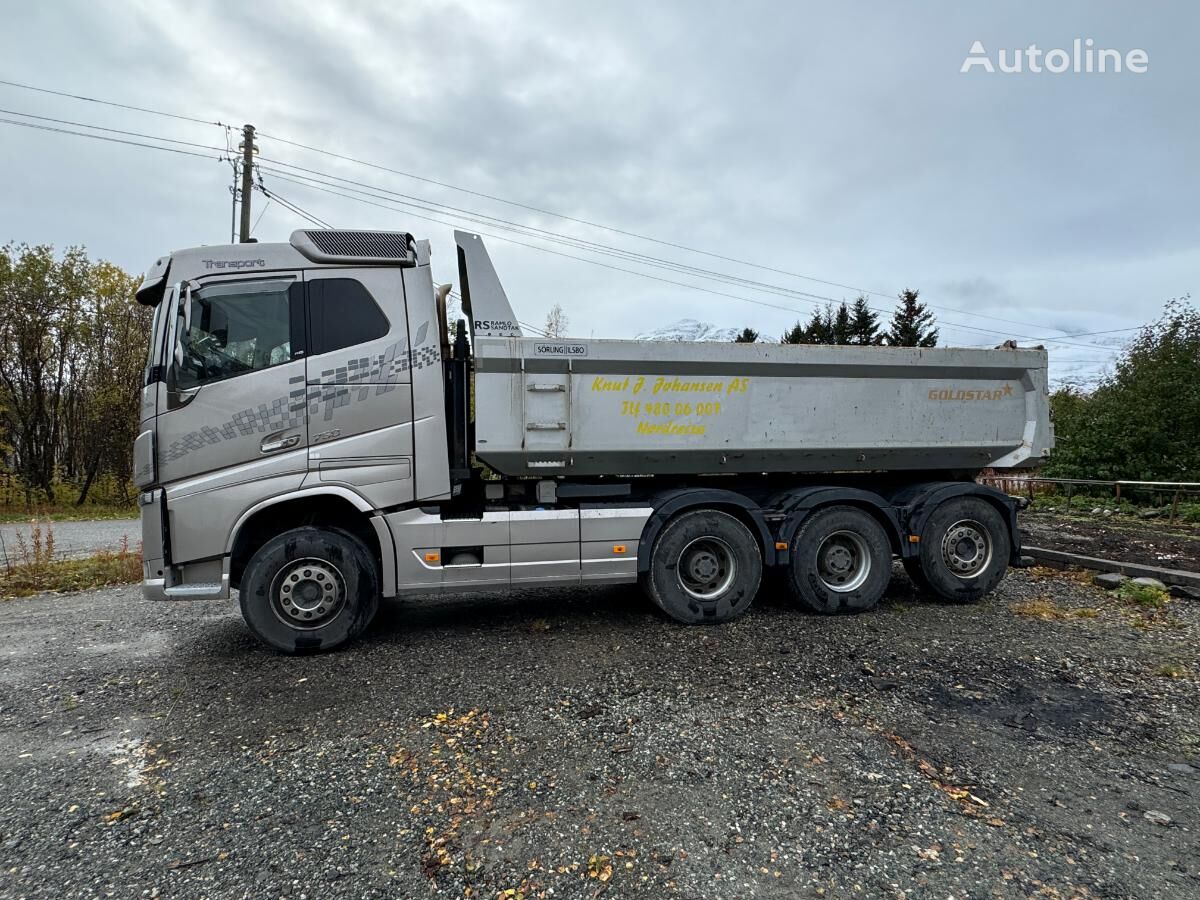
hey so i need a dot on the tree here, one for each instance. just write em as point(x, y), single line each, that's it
point(72, 346)
point(912, 323)
point(748, 336)
point(819, 330)
point(40, 301)
point(864, 324)
point(1142, 422)
point(794, 335)
point(556, 322)
point(841, 325)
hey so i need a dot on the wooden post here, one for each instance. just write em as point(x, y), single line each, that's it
point(1070, 489)
point(1174, 507)
point(247, 181)
point(1118, 484)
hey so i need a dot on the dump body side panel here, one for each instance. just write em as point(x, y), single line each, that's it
point(595, 407)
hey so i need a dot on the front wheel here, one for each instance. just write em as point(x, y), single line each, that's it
point(965, 548)
point(705, 568)
point(310, 589)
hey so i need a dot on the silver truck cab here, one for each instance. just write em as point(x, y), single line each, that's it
point(278, 374)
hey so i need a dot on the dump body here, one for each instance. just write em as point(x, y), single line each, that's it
point(593, 407)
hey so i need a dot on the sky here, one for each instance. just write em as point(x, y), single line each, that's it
point(811, 150)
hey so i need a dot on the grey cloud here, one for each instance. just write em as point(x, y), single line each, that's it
point(835, 141)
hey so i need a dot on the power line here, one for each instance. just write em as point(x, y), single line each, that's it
point(528, 207)
point(578, 243)
point(313, 184)
point(593, 262)
point(553, 236)
point(296, 208)
point(153, 137)
point(261, 213)
point(615, 230)
point(629, 255)
point(1091, 334)
point(113, 140)
point(141, 109)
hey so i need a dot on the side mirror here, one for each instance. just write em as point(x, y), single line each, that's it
point(187, 306)
point(185, 300)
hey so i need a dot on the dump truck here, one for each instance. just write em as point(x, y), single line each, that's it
point(318, 436)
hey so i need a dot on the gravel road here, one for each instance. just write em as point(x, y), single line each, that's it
point(574, 744)
point(76, 538)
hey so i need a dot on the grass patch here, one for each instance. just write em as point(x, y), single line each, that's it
point(34, 569)
point(1047, 610)
point(71, 513)
point(1144, 595)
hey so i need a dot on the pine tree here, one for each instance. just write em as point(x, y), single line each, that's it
point(864, 324)
point(841, 331)
point(912, 323)
point(748, 336)
point(794, 335)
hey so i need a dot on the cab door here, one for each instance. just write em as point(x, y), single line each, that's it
point(234, 413)
point(359, 378)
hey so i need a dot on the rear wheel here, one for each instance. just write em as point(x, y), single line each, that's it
point(964, 549)
point(310, 589)
point(841, 561)
point(705, 568)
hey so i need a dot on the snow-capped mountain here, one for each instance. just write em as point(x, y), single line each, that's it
point(689, 330)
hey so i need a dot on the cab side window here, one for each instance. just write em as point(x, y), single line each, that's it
point(236, 328)
point(342, 313)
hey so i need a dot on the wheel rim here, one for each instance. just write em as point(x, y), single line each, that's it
point(843, 561)
point(966, 548)
point(707, 567)
point(308, 593)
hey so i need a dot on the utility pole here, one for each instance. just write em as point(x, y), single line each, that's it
point(247, 180)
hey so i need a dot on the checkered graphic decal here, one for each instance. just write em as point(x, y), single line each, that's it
point(353, 381)
point(339, 386)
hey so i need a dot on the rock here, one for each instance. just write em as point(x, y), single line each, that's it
point(1146, 581)
point(1149, 513)
point(1108, 580)
point(1185, 593)
point(1158, 818)
point(1108, 512)
point(1181, 769)
point(1096, 511)
point(1027, 562)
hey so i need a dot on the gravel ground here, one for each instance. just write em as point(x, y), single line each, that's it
point(573, 744)
point(75, 538)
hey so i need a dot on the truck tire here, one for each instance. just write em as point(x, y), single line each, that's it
point(964, 549)
point(310, 589)
point(705, 568)
point(841, 561)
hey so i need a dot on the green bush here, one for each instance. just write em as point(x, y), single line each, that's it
point(1142, 422)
